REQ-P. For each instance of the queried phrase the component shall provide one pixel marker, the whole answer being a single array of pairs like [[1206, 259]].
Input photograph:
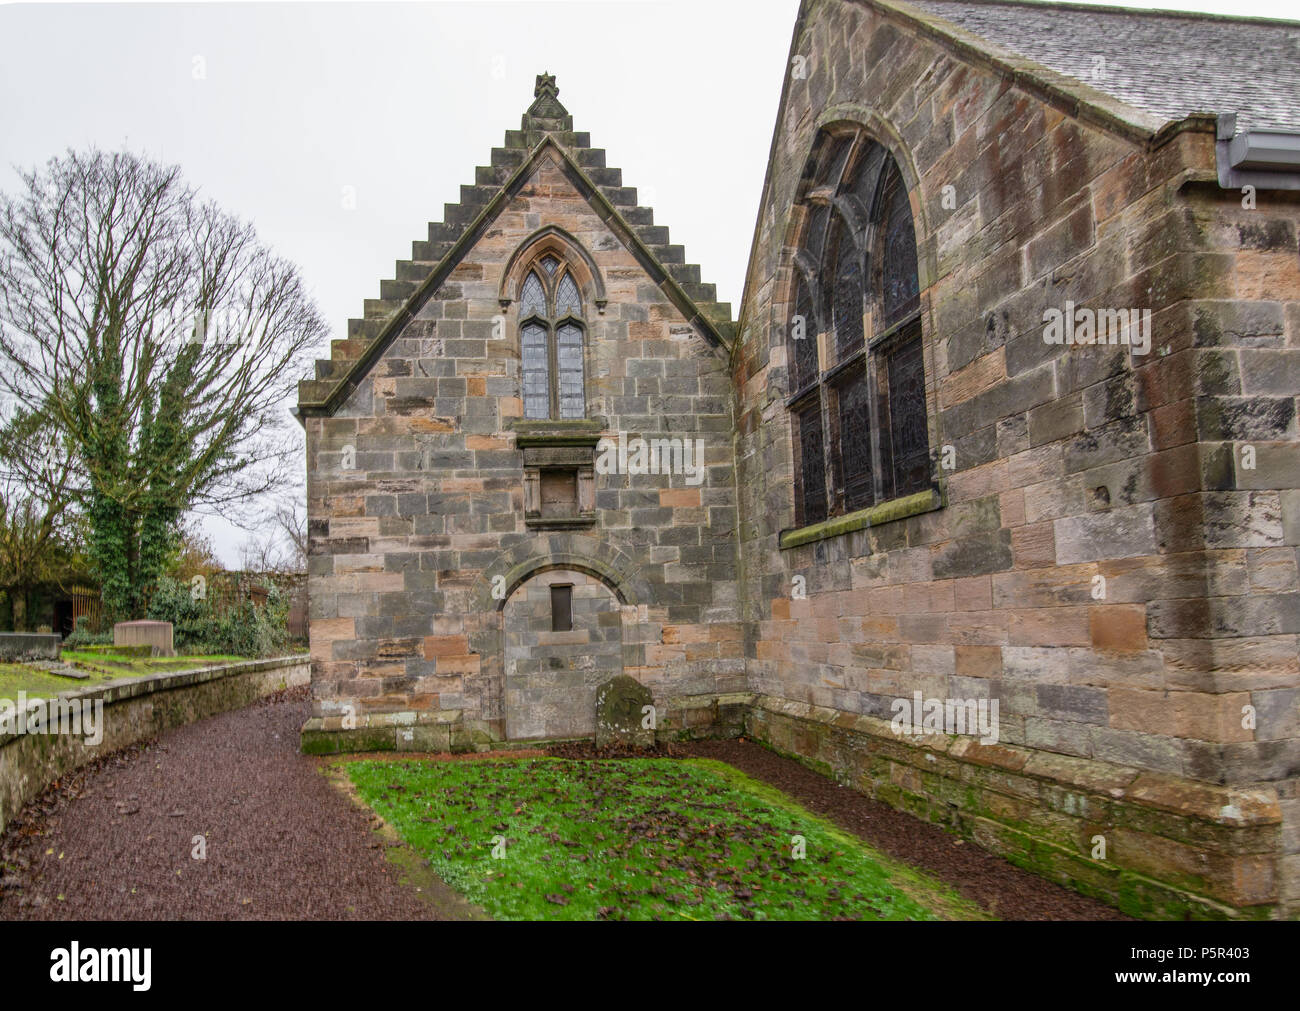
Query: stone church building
[[1004, 429]]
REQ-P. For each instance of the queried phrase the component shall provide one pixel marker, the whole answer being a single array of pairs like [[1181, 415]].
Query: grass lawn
[[101, 667], [638, 839]]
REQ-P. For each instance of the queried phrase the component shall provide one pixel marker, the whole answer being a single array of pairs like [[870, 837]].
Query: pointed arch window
[[551, 342], [857, 377]]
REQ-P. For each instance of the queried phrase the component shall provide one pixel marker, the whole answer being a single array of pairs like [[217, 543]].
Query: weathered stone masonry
[[422, 555], [1111, 553], [1121, 715]]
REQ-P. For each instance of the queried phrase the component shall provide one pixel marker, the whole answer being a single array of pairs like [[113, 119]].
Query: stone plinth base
[[1157, 846], [333, 730]]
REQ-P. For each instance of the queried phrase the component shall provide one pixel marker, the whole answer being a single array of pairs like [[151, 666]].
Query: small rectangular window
[[561, 608]]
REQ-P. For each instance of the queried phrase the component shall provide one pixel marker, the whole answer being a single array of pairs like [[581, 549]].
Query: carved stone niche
[[559, 472]]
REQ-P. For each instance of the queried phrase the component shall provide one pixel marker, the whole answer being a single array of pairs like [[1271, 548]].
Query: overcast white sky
[[400, 101]]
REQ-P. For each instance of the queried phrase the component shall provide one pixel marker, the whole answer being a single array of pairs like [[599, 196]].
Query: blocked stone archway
[[551, 676]]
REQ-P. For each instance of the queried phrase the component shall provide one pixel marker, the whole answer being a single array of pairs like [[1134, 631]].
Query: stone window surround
[[555, 443], [553, 318], [559, 445], [802, 268], [578, 263]]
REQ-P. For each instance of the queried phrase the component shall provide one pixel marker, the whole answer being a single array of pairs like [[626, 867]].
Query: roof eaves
[[1078, 99]]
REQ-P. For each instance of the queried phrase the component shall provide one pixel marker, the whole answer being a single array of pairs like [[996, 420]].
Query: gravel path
[[116, 841]]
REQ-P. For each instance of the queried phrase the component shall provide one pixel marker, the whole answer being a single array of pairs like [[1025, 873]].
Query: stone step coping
[[1230, 806], [716, 315], [120, 689]]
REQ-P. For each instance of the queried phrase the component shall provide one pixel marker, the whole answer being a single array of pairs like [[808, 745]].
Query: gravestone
[[29, 646], [620, 713], [157, 634]]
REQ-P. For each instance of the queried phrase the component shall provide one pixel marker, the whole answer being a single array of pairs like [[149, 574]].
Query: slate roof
[[546, 124], [1166, 63]]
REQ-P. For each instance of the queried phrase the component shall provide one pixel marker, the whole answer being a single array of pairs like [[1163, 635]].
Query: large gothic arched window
[[857, 379], [551, 341]]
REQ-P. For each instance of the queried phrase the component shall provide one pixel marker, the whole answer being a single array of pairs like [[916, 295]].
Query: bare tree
[[160, 340], [280, 549], [292, 524]]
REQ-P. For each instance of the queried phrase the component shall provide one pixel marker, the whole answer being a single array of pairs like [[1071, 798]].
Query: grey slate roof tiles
[[1166, 63]]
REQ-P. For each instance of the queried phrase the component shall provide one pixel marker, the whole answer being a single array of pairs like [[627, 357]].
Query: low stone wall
[[679, 718], [134, 711], [29, 646], [1174, 848]]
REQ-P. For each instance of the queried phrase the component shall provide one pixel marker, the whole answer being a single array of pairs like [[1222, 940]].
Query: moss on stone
[[872, 516]]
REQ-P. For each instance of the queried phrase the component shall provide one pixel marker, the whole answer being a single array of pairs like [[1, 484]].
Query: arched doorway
[[563, 639]]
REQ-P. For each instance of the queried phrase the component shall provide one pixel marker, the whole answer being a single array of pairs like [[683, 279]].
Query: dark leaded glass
[[567, 300], [855, 440], [550, 264], [815, 234], [812, 463], [877, 446], [837, 158], [568, 354], [536, 372], [847, 299], [866, 175], [803, 350], [532, 299], [899, 297], [909, 433]]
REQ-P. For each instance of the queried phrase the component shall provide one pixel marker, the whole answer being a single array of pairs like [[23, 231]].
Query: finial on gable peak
[[546, 112]]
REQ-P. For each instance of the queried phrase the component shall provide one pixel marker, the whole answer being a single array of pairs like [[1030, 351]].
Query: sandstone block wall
[[1100, 564], [1109, 548], [417, 482]]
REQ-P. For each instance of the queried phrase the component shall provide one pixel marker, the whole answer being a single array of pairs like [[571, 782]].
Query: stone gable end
[[417, 494]]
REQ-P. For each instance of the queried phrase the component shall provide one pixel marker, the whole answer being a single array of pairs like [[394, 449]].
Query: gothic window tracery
[[857, 377], [551, 332]]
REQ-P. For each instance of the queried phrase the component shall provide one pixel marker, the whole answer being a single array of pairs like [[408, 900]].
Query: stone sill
[[873, 516], [574, 432], [560, 522]]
